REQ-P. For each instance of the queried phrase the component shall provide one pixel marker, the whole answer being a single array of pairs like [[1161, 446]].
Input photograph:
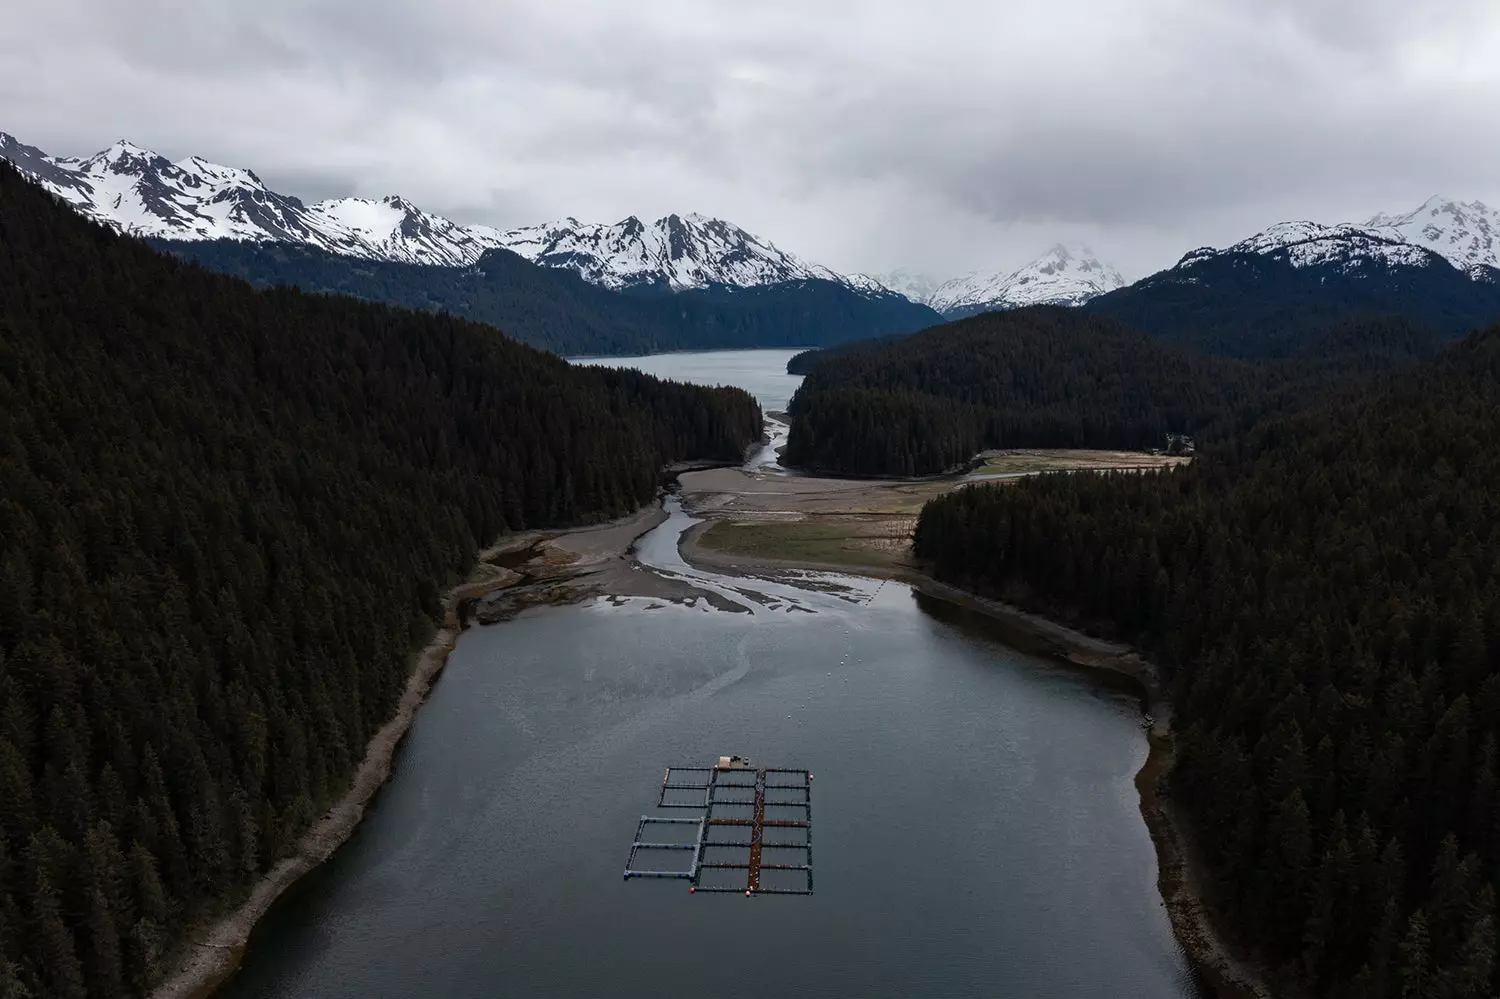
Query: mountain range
[[1266, 295], [1064, 275], [1466, 234], [1438, 265], [556, 309], [675, 253], [144, 194]]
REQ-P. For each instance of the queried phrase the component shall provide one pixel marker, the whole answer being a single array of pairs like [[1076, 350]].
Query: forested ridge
[[803, 363], [557, 310], [226, 518], [1323, 594], [1261, 305], [1051, 377]]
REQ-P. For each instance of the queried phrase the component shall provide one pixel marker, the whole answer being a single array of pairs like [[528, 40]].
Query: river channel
[[977, 828]]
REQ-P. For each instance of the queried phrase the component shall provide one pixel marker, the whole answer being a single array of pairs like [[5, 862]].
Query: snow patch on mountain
[[1312, 244], [915, 285], [1468, 234], [676, 252], [1064, 275], [139, 192]]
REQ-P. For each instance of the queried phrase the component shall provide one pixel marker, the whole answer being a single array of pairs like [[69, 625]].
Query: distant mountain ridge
[[554, 308], [1467, 234], [1437, 265], [1464, 234], [1064, 275], [583, 290], [141, 193], [677, 253]]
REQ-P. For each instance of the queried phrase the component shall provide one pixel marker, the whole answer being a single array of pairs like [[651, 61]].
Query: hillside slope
[[1265, 296], [225, 520], [1324, 595], [1038, 377], [141, 193], [557, 310]]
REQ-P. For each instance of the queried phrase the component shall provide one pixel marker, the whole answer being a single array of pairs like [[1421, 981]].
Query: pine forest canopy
[[1055, 378], [1324, 595], [226, 517], [1259, 305], [557, 310]]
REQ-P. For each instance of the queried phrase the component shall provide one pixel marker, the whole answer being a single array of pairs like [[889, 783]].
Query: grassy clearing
[[833, 540], [1013, 462]]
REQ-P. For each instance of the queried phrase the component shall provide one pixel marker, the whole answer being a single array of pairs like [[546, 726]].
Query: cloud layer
[[870, 134]]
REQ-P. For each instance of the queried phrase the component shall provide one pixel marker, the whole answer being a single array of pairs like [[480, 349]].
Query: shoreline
[[1179, 872], [571, 566], [214, 953]]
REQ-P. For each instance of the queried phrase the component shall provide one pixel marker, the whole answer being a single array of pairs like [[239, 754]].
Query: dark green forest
[[226, 519], [1323, 594], [1052, 377], [558, 311], [804, 362], [1260, 305]]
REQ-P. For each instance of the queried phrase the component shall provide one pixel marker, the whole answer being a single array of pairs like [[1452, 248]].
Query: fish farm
[[752, 832]]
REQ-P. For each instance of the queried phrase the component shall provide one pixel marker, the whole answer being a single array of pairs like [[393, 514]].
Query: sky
[[941, 135]]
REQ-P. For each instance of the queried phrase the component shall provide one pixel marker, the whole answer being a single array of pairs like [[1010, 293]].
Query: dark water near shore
[[976, 827]]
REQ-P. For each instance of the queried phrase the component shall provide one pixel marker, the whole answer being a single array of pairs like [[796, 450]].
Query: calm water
[[762, 373], [977, 830]]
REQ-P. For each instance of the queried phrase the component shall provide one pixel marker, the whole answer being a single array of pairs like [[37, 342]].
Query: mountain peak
[[915, 285], [675, 251], [125, 157], [124, 147], [1066, 274], [139, 192], [1467, 234]]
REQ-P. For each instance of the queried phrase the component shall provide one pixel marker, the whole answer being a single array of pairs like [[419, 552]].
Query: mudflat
[[771, 518]]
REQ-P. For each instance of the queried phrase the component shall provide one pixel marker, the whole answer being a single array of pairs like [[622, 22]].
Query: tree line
[[226, 519], [1056, 378], [1323, 594], [557, 310], [1262, 305]]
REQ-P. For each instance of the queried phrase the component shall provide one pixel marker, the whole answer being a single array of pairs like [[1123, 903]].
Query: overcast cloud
[[866, 134]]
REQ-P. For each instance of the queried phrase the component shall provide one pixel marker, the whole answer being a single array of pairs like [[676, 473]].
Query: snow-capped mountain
[[915, 285], [1466, 235], [144, 194], [1064, 275], [677, 252], [1311, 244]]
